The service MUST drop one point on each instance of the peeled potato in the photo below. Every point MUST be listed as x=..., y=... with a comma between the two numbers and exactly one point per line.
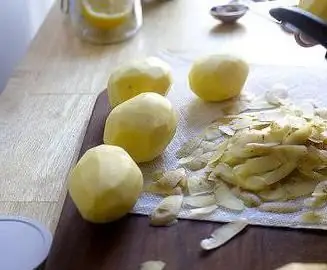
x=218, y=77
x=143, y=126
x=149, y=75
x=105, y=184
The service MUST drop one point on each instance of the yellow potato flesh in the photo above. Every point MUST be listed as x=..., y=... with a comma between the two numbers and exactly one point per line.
x=218, y=77
x=149, y=75
x=143, y=126
x=105, y=184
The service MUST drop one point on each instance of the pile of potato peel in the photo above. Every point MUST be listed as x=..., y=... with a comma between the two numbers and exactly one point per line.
x=265, y=157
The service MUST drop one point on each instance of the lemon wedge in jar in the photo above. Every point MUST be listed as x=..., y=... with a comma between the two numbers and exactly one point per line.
x=106, y=14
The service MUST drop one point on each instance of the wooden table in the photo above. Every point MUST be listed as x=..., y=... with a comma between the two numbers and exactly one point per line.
x=47, y=103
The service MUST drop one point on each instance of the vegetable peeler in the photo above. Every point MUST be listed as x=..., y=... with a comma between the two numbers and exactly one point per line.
x=309, y=28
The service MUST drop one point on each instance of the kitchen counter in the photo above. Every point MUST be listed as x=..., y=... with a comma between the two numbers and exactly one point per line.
x=46, y=105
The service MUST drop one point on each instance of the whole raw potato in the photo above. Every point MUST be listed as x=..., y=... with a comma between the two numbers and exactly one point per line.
x=143, y=126
x=149, y=75
x=105, y=184
x=218, y=77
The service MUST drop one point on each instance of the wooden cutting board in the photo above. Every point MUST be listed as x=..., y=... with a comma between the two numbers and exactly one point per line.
x=125, y=244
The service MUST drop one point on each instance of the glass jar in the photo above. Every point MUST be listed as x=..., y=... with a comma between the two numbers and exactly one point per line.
x=104, y=21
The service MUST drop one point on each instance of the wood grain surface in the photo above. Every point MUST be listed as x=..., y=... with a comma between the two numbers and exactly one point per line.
x=125, y=244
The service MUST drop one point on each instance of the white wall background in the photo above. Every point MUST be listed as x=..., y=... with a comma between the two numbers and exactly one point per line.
x=19, y=22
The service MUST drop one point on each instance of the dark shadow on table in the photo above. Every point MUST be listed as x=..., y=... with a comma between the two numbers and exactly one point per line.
x=224, y=28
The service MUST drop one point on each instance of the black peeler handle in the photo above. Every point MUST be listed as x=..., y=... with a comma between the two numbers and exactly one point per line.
x=309, y=24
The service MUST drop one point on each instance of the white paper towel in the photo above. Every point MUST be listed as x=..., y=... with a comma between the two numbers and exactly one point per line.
x=195, y=115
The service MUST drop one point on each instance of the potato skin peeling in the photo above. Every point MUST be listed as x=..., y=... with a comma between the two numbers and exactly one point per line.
x=226, y=198
x=311, y=217
x=270, y=166
x=172, y=179
x=282, y=208
x=189, y=147
x=271, y=163
x=152, y=265
x=201, y=212
x=200, y=200
x=167, y=210
x=222, y=235
x=249, y=199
